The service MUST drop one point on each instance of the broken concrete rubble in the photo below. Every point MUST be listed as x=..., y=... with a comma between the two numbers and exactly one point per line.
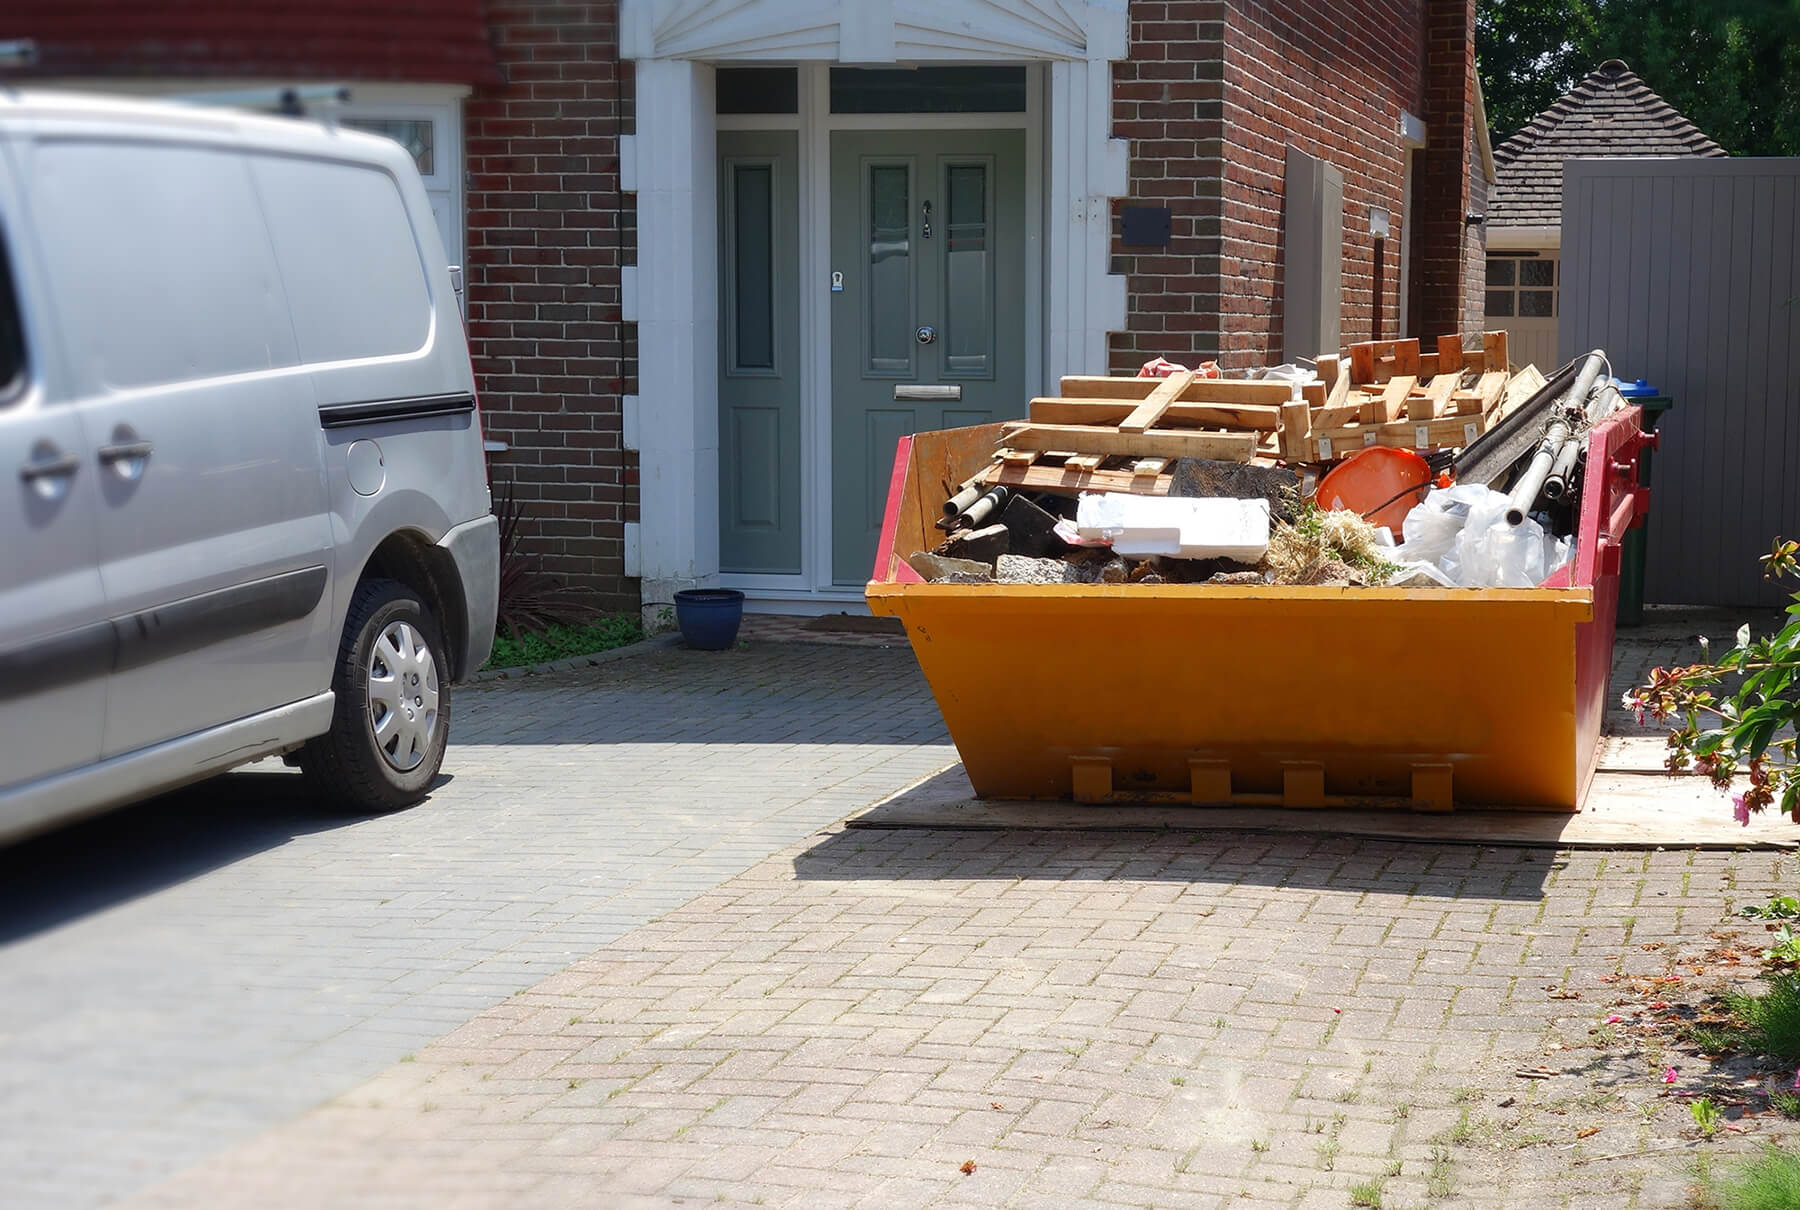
x=1238, y=481
x=977, y=545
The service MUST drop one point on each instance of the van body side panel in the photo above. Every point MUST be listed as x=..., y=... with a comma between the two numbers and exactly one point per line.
x=56, y=644
x=203, y=429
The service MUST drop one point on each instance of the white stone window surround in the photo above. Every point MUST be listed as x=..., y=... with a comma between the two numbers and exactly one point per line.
x=669, y=163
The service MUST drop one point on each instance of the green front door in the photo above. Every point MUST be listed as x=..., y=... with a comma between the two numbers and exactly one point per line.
x=928, y=316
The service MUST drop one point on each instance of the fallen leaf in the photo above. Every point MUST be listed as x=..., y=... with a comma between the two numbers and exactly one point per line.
x=1587, y=1132
x=1509, y=1102
x=968, y=1167
x=996, y=1105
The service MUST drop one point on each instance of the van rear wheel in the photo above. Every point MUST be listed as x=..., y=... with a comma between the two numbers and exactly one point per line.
x=391, y=723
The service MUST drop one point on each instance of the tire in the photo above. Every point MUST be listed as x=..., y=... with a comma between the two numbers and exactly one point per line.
x=384, y=747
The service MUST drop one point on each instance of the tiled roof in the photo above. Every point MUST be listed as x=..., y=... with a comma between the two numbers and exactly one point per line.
x=1610, y=113
x=437, y=41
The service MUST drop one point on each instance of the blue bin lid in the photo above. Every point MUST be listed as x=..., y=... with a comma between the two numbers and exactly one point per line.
x=1635, y=390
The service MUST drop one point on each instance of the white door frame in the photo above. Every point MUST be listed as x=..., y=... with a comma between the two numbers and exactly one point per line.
x=816, y=123
x=1074, y=167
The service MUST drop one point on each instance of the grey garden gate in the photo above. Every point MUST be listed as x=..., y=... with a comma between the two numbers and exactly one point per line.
x=1687, y=272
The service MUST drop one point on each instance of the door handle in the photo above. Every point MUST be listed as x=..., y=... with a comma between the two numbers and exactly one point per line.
x=125, y=450
x=50, y=468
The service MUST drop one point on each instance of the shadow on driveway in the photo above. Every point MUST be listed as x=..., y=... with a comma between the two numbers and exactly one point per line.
x=113, y=858
x=1297, y=863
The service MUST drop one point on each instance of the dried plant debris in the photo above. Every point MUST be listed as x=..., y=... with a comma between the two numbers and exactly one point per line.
x=1319, y=547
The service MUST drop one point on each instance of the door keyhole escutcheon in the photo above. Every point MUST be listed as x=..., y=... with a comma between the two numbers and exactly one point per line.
x=926, y=334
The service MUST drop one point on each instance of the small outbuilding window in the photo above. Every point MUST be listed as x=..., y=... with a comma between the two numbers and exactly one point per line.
x=1522, y=287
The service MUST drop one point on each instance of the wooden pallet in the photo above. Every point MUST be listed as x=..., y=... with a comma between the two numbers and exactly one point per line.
x=1068, y=474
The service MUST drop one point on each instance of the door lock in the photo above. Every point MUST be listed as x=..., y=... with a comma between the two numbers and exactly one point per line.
x=926, y=334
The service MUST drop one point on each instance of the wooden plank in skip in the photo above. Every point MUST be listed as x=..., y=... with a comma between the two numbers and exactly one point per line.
x=1445, y=432
x=1314, y=394
x=1062, y=481
x=1296, y=426
x=1393, y=399
x=1199, y=390
x=1085, y=462
x=1057, y=410
x=1330, y=371
x=1450, y=353
x=1494, y=345
x=1157, y=443
x=1428, y=365
x=1145, y=415
x=1526, y=383
x=1362, y=363
x=1437, y=397
x=1491, y=389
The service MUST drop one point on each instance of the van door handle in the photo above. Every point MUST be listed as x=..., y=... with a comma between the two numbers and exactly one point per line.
x=124, y=450
x=50, y=468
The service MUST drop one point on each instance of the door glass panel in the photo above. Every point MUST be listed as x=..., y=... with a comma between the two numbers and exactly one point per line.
x=890, y=269
x=1537, y=273
x=1535, y=304
x=751, y=262
x=968, y=274
x=1500, y=272
x=1499, y=304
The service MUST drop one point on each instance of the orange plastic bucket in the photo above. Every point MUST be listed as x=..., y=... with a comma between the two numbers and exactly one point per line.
x=1380, y=483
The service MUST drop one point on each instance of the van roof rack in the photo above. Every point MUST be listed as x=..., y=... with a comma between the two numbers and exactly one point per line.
x=289, y=100
x=18, y=52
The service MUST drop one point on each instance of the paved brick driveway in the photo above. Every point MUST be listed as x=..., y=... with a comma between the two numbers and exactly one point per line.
x=1087, y=1018
x=180, y=975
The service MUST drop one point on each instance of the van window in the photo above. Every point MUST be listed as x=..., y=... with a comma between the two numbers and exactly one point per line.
x=158, y=261
x=12, y=331
x=348, y=258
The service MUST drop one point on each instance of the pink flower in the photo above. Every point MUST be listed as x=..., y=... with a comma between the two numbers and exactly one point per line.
x=1797, y=1077
x=1669, y=1076
x=1740, y=810
x=1615, y=1019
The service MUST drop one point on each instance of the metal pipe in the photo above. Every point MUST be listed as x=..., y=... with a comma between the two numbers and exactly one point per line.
x=1562, y=470
x=1523, y=497
x=965, y=497
x=980, y=512
x=1525, y=493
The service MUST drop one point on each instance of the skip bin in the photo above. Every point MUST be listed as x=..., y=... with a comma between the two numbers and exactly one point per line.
x=1288, y=696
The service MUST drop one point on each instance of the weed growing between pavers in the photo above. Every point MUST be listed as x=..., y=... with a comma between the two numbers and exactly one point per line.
x=1770, y=1181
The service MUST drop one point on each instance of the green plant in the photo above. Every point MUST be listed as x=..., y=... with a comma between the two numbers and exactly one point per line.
x=1782, y=907
x=1739, y=708
x=1366, y=1193
x=1787, y=1104
x=1437, y=1182
x=1707, y=1116
x=1712, y=1038
x=1259, y=1145
x=530, y=598
x=1771, y=1020
x=1770, y=1181
x=1328, y=1153
x=1784, y=949
x=558, y=642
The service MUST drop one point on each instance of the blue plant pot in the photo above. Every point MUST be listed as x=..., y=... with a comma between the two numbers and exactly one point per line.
x=709, y=617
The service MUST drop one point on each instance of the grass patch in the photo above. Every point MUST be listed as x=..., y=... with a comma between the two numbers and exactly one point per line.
x=564, y=642
x=1771, y=1020
x=1770, y=1181
x=1787, y=1104
x=1366, y=1193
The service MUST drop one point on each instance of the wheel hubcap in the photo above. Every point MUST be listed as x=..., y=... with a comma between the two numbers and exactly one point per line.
x=403, y=695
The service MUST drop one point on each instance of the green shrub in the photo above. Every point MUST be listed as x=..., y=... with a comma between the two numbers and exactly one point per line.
x=564, y=642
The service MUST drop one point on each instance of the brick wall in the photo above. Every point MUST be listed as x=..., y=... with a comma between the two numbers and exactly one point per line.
x=1211, y=98
x=1449, y=287
x=546, y=242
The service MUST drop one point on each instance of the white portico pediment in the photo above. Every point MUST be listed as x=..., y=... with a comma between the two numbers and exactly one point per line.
x=874, y=31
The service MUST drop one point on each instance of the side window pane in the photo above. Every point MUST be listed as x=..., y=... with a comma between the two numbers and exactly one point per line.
x=1500, y=272
x=752, y=267
x=12, y=331
x=968, y=296
x=1499, y=304
x=756, y=90
x=414, y=134
x=1537, y=273
x=203, y=298
x=1534, y=304
x=348, y=257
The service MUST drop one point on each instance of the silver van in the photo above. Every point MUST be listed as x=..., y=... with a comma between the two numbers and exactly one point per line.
x=244, y=509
